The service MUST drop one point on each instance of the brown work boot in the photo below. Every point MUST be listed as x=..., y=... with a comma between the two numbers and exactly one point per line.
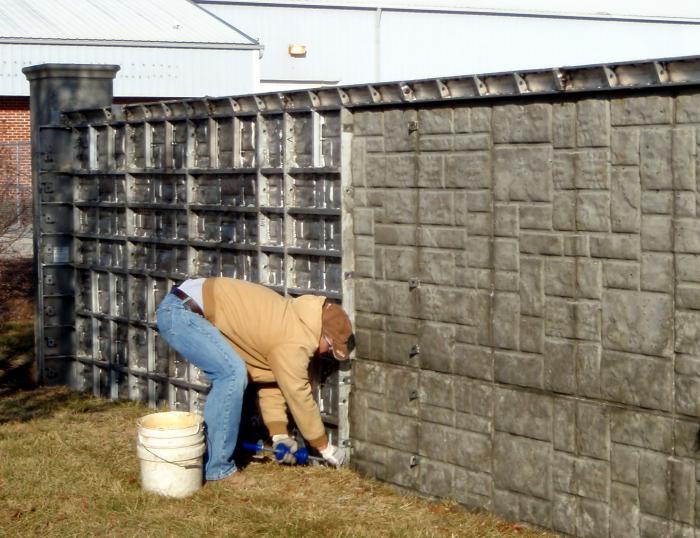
x=237, y=480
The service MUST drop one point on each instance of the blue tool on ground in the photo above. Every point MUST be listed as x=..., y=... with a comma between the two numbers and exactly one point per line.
x=301, y=455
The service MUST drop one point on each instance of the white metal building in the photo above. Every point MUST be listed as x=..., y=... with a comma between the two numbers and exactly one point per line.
x=356, y=41
x=166, y=48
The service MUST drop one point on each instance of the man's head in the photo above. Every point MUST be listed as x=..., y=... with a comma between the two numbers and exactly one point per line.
x=336, y=330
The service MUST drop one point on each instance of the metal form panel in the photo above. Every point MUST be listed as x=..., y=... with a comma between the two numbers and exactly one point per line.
x=145, y=72
x=164, y=21
x=135, y=199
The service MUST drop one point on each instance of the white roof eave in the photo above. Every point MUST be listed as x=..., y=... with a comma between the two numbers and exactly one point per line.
x=671, y=11
x=125, y=21
x=128, y=43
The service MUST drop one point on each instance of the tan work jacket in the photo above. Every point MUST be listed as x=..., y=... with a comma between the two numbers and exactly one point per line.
x=276, y=337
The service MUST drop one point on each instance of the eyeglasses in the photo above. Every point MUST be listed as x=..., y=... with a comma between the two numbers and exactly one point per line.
x=330, y=344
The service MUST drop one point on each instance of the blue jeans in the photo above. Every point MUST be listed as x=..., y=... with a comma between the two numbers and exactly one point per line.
x=202, y=344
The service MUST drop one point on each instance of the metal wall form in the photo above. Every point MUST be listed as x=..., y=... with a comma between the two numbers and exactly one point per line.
x=135, y=199
x=668, y=72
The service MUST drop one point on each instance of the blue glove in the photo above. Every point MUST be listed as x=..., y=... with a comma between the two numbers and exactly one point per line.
x=288, y=445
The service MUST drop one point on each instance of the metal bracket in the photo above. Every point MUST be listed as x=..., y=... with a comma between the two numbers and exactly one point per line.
x=374, y=94
x=235, y=106
x=610, y=76
x=314, y=99
x=520, y=84
x=413, y=283
x=661, y=73
x=414, y=461
x=259, y=103
x=343, y=96
x=479, y=86
x=415, y=350
x=412, y=127
x=443, y=89
x=559, y=80
x=407, y=92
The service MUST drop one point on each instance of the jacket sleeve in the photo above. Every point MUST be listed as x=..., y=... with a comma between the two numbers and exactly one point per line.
x=290, y=366
x=273, y=408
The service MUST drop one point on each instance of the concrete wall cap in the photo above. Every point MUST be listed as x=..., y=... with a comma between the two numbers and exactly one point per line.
x=57, y=70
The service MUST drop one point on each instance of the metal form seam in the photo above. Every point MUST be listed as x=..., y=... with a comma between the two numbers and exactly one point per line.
x=644, y=74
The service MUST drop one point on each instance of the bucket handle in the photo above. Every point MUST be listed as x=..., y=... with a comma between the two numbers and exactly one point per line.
x=167, y=461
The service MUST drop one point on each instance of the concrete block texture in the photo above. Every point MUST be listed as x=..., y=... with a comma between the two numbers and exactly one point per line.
x=528, y=307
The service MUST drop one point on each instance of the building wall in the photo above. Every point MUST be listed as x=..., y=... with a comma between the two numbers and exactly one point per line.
x=353, y=44
x=145, y=71
x=528, y=323
x=15, y=159
x=14, y=119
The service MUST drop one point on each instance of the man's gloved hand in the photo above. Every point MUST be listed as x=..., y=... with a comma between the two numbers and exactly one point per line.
x=291, y=445
x=335, y=455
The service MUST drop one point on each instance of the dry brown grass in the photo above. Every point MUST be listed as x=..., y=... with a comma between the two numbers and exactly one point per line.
x=68, y=468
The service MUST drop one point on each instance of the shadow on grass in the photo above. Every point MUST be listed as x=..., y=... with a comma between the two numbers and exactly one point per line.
x=20, y=400
x=20, y=405
x=17, y=364
x=16, y=323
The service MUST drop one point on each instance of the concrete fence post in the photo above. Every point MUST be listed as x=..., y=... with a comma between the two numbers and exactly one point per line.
x=55, y=88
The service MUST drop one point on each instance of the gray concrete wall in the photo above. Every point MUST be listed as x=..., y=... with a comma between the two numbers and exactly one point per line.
x=528, y=308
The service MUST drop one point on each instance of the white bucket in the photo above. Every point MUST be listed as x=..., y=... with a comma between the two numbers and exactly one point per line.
x=171, y=448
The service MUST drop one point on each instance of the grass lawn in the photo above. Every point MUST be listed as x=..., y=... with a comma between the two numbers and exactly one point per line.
x=68, y=468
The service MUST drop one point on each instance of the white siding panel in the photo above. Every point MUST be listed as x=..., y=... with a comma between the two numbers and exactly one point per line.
x=343, y=43
x=600, y=9
x=419, y=45
x=145, y=72
x=340, y=43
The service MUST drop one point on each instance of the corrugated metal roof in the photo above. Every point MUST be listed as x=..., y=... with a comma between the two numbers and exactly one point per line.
x=177, y=22
x=671, y=10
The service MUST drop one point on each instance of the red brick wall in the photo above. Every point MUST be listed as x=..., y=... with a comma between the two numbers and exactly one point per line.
x=14, y=119
x=15, y=160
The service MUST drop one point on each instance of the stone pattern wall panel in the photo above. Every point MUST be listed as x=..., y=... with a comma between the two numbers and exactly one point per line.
x=528, y=308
